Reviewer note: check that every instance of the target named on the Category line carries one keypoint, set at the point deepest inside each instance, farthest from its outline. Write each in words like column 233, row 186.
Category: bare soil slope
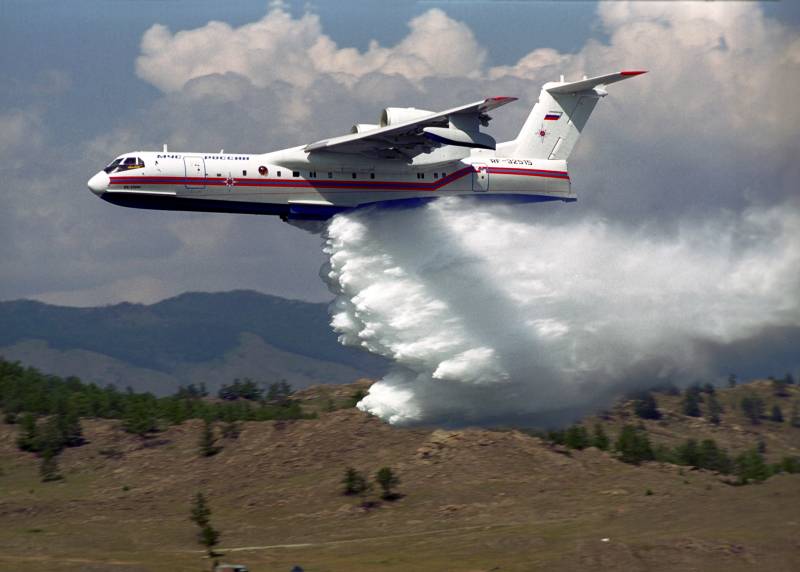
column 474, row 500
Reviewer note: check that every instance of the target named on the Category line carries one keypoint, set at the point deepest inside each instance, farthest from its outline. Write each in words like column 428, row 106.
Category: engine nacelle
column 363, row 127
column 395, row 115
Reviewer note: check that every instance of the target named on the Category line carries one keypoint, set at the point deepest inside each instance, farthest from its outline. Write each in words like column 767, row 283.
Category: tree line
column 633, row 446
column 48, row 409
column 27, row 390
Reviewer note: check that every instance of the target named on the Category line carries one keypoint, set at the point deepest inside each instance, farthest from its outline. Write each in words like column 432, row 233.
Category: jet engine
column 363, row 127
column 395, row 115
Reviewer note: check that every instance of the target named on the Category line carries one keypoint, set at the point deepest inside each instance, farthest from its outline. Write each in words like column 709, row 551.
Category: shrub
column 387, row 480
column 354, row 483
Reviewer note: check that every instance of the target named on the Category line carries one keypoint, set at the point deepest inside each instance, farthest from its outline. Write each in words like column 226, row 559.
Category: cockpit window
column 124, row 164
column 113, row 165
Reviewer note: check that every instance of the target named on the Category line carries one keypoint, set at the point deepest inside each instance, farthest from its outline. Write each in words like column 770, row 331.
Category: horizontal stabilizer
column 591, row 83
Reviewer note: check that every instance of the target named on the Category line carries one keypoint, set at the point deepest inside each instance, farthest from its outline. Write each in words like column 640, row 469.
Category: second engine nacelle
column 395, row 115
column 363, row 127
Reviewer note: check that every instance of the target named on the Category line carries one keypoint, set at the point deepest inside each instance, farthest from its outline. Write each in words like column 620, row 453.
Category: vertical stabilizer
column 558, row 118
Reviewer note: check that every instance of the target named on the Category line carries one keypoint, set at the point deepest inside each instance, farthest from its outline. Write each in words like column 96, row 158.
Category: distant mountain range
column 208, row 338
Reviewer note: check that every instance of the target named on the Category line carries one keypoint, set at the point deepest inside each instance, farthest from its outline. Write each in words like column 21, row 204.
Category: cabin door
column 480, row 177
column 195, row 173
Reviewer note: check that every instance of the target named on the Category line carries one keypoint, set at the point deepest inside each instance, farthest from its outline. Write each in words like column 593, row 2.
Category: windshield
column 124, row 164
column 113, row 165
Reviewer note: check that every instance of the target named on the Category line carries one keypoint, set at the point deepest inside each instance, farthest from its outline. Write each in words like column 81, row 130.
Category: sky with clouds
column 712, row 131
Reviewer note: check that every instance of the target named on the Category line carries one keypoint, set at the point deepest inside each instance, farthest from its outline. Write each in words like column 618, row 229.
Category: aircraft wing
column 407, row 139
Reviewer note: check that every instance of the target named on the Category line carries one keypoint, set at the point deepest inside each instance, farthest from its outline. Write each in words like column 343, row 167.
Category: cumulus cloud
column 491, row 311
column 278, row 48
column 708, row 133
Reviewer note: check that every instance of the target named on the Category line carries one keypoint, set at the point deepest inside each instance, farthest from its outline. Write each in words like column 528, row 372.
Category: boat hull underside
column 293, row 211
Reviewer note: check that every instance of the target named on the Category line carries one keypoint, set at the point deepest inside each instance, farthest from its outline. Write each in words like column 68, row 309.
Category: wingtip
column 632, row 72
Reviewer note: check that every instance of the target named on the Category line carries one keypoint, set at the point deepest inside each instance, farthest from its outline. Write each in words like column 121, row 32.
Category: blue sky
column 74, row 99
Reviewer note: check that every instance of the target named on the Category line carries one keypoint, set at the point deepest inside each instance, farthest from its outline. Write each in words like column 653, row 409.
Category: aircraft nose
column 99, row 183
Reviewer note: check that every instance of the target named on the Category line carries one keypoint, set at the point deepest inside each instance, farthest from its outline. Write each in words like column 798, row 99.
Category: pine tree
column 732, row 381
column 750, row 466
column 714, row 458
column 28, row 438
column 138, row 417
column 48, row 469
column 646, row 407
column 777, row 414
column 71, row 431
column 208, row 447
column 753, row 408
column 691, row 402
column 600, row 439
column 576, row 437
column 387, row 481
column 354, row 482
column 633, row 446
column 201, row 516
column 794, row 419
column 714, row 412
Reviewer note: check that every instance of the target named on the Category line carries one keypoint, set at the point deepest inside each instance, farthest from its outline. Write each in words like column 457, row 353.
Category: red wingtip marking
column 502, row 98
column 633, row 72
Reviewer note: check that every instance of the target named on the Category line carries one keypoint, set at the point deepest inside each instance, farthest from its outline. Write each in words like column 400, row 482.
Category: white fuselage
column 296, row 184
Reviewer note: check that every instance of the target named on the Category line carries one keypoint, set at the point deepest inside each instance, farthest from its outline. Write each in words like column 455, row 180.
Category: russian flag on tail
column 552, row 116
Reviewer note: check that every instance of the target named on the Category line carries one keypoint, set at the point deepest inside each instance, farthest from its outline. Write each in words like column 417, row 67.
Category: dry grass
column 475, row 500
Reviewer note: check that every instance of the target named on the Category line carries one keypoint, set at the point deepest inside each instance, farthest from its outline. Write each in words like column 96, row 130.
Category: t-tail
column 557, row 120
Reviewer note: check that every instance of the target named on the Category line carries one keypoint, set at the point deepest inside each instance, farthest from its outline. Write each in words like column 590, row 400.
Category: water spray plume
column 489, row 312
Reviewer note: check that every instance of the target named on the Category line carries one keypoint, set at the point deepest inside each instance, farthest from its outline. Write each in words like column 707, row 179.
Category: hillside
column 196, row 338
column 474, row 499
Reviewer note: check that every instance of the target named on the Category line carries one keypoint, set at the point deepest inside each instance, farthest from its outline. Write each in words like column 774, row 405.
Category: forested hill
column 192, row 338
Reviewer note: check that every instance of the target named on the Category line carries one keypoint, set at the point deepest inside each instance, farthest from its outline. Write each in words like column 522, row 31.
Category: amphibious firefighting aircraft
column 411, row 155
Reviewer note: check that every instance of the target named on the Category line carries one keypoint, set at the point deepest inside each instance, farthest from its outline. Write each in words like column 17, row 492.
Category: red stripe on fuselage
column 355, row 184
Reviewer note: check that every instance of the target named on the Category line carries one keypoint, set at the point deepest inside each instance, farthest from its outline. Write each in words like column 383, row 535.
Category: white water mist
column 489, row 310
